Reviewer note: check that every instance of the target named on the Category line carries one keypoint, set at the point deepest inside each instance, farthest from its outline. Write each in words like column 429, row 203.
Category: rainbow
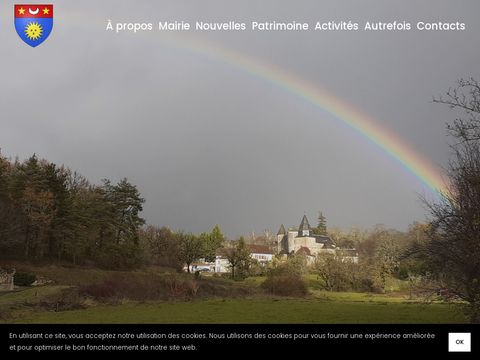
column 362, row 124
column 383, row 138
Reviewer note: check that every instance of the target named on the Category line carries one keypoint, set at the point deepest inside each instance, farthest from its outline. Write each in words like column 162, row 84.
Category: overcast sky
column 208, row 143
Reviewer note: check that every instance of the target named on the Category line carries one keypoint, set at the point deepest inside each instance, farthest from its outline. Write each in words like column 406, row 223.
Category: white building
column 261, row 253
column 221, row 263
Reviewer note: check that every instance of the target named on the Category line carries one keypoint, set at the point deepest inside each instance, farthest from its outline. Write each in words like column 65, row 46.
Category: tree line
column 168, row 248
column 49, row 213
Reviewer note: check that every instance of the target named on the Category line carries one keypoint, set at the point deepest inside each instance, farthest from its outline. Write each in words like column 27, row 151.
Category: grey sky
column 208, row 143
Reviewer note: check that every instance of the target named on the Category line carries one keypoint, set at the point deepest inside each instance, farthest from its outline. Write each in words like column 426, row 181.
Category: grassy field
column 319, row 307
column 255, row 311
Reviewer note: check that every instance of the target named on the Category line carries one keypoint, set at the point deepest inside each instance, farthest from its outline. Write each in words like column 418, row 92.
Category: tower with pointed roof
column 282, row 244
column 304, row 229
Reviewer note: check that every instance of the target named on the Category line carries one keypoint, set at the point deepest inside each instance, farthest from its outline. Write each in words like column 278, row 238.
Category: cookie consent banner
column 22, row 339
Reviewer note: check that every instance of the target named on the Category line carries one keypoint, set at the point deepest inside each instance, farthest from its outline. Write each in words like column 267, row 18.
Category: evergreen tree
column 119, row 221
column 211, row 242
column 321, row 228
column 10, row 217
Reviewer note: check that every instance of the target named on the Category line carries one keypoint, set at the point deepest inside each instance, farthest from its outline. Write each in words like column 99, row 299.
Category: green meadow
column 261, row 311
column 318, row 307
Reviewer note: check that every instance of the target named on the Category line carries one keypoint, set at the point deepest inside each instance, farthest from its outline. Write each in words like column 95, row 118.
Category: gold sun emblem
column 33, row 31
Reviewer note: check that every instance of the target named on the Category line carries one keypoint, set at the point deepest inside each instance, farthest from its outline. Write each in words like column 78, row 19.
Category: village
column 300, row 241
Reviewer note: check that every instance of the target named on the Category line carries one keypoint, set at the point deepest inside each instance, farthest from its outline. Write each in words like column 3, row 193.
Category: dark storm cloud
column 208, row 143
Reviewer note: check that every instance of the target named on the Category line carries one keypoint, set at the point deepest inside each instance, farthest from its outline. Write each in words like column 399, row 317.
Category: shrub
column 285, row 285
column 295, row 264
column 152, row 287
column 335, row 274
column 257, row 268
column 411, row 267
column 366, row 284
column 339, row 275
column 24, row 279
column 67, row 299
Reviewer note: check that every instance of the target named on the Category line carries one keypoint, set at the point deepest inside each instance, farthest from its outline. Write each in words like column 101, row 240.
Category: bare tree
column 453, row 247
column 191, row 248
column 238, row 257
column 465, row 96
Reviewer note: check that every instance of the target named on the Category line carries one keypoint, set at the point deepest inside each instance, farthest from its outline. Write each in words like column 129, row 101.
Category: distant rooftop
column 260, row 249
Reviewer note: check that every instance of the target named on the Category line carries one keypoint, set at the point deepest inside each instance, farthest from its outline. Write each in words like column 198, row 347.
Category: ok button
column 459, row 342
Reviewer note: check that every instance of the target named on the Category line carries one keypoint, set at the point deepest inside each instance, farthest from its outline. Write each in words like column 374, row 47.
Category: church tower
column 304, row 229
column 281, row 240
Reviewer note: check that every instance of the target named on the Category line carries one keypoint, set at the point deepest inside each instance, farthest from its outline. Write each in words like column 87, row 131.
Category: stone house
column 303, row 241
